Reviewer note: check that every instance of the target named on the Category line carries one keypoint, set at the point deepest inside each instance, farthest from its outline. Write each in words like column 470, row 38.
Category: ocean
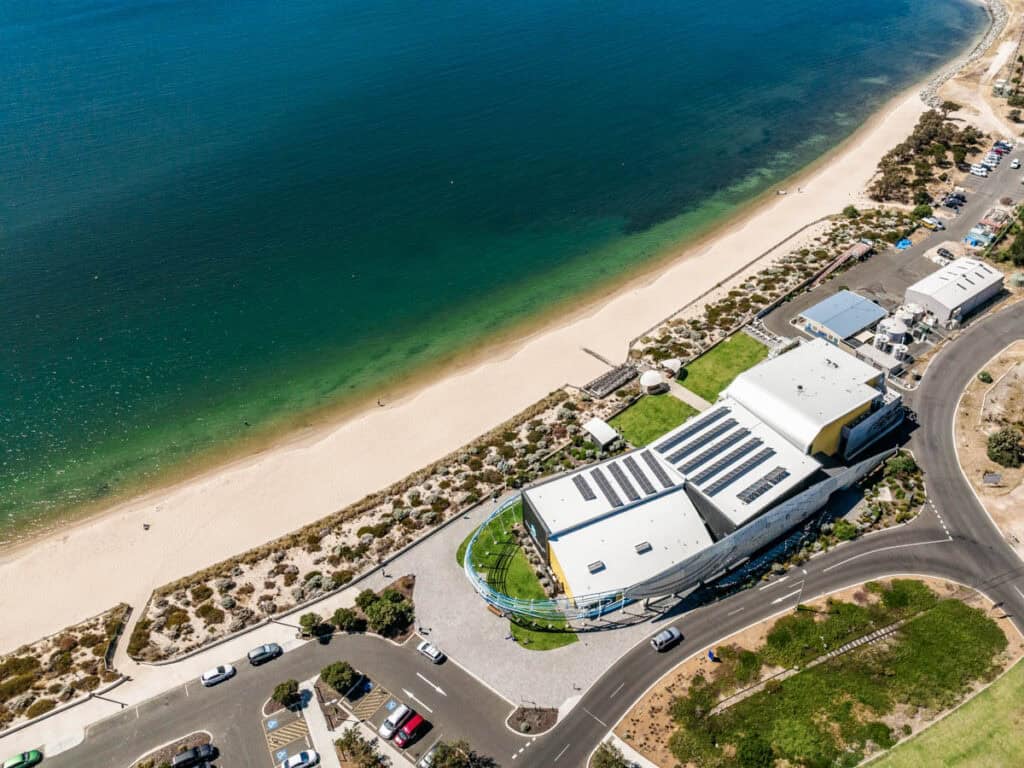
column 219, row 218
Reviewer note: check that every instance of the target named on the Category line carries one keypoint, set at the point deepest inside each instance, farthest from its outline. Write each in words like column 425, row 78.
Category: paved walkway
column 688, row 397
column 319, row 732
column 629, row 753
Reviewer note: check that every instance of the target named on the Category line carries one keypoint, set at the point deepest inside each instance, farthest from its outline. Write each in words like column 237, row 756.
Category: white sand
column 87, row 568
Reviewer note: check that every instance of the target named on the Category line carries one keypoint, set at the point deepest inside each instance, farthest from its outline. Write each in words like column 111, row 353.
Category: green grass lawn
column 651, row 417
column 984, row 733
column 709, row 374
column 497, row 555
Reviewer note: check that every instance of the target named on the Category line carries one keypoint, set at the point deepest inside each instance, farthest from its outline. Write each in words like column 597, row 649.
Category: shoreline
column 297, row 477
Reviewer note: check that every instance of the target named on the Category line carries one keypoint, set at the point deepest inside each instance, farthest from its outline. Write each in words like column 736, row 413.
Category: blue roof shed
column 841, row 316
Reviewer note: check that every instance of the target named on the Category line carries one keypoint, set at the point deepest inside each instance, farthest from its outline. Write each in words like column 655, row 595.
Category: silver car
column 666, row 639
column 217, row 675
column 264, row 653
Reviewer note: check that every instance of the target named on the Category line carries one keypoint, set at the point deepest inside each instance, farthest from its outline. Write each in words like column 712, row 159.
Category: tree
column 754, row 752
column 1005, row 447
column 985, row 377
column 458, row 754
column 388, row 617
column 347, row 620
column 340, row 676
column 948, row 106
column 366, row 598
column 311, row 623
column 287, row 693
column 921, row 211
column 851, row 212
column 354, row 747
column 900, row 465
column 608, row 756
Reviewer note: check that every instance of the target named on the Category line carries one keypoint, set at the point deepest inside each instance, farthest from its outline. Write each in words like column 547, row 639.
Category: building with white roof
column 771, row 442
column 956, row 290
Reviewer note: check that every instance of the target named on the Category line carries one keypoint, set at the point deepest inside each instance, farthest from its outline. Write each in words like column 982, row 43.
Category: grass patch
column 828, row 714
column 651, row 417
column 498, row 556
column 984, row 733
column 710, row 373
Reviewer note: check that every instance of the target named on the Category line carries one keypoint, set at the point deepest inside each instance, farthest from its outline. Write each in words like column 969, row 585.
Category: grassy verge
column 498, row 556
column 709, row 374
column 651, row 417
column 984, row 733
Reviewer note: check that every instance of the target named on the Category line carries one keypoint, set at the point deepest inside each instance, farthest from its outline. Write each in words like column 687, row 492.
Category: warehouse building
column 840, row 316
column 952, row 293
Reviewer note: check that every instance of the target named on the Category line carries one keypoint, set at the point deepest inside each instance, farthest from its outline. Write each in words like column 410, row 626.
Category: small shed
column 652, row 382
column 601, row 432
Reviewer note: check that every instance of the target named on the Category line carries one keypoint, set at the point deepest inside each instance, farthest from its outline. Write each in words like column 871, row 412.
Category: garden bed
column 164, row 755
column 533, row 720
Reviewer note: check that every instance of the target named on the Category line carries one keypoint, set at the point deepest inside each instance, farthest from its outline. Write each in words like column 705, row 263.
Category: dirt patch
column 164, row 754
column 533, row 720
column 647, row 726
column 983, row 408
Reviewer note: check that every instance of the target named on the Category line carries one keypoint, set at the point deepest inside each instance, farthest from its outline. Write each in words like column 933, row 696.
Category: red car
column 411, row 731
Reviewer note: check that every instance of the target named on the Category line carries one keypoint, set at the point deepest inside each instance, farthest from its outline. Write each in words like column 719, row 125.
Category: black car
column 945, row 254
column 195, row 757
column 264, row 653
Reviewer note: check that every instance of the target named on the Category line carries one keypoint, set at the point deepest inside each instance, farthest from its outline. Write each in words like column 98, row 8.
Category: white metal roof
column 803, row 390
column 957, row 282
column 603, row 432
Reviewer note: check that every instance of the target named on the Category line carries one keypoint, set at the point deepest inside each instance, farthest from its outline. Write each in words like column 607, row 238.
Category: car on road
column 412, row 730
column 217, row 675
column 394, row 721
column 24, row 760
column 264, row 653
column 666, row 639
column 1016, row 163
column 302, row 760
column 197, row 756
column 431, row 651
column 946, row 253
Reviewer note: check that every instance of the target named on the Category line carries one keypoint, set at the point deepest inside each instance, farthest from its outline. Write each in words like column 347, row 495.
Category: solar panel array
column 725, row 461
column 731, row 439
column 623, row 481
column 703, row 440
column 657, row 469
column 606, row 487
column 638, row 475
column 737, row 472
column 690, row 431
column 584, row 488
column 763, row 485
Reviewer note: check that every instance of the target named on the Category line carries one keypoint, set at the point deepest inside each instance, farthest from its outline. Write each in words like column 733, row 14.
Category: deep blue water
column 216, row 215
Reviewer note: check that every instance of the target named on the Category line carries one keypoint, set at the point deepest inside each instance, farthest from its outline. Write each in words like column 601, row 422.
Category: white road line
column 623, row 683
column 730, row 613
column 1019, row 592
column 785, row 597
column 602, row 722
column 884, row 549
column 186, row 689
column 432, row 684
column 561, row 753
column 136, row 713
column 774, row 583
column 419, row 701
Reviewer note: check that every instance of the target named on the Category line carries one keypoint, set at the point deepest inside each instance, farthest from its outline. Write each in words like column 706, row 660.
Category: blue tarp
column 903, row 244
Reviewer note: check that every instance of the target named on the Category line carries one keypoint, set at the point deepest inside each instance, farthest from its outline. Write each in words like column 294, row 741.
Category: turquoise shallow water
column 219, row 215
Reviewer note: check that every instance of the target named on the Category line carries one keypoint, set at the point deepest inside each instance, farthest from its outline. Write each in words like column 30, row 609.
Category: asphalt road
column 231, row 710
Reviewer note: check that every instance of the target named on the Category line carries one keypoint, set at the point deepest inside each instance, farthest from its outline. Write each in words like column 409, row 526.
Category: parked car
column 411, row 731
column 217, row 675
column 431, row 651
column 394, row 721
column 428, row 759
column 932, row 223
column 196, row 756
column 24, row 760
column 1016, row 163
column 946, row 254
column 980, row 172
column 1000, row 150
column 302, row 760
column 264, row 653
column 666, row 639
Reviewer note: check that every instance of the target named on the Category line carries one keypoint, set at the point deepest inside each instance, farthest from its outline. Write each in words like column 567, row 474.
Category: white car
column 431, row 651
column 428, row 759
column 1015, row 163
column 301, row 760
column 217, row 675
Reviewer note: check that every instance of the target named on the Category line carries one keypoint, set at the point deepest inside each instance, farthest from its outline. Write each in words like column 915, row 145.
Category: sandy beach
column 88, row 567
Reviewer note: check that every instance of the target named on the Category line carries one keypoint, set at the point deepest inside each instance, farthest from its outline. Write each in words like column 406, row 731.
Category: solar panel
column 606, row 487
column 623, row 482
column 657, row 469
column 763, row 485
column 731, row 439
column 638, row 475
column 584, row 488
column 725, row 461
column 703, row 440
column 693, row 429
column 737, row 472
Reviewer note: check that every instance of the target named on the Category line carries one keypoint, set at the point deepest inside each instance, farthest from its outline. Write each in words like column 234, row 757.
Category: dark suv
column 196, row 756
column 264, row 653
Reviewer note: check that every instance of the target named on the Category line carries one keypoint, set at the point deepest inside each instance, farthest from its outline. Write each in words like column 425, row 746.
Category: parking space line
column 617, row 690
column 566, row 747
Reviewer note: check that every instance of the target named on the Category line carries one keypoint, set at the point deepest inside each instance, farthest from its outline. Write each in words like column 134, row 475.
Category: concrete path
column 688, row 397
column 319, row 731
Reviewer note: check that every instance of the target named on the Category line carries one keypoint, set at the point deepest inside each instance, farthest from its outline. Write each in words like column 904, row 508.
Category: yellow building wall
column 557, row 569
column 827, row 441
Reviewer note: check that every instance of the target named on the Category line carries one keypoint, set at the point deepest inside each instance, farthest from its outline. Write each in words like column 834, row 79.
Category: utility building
column 955, row 291
column 841, row 316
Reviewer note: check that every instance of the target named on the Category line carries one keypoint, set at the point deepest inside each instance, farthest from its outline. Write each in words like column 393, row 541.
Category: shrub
column 18, row 665
column 985, row 377
column 389, row 617
column 845, row 530
column 901, row 465
column 340, row 676
column 210, row 614
column 341, row 578
column 347, row 620
column 14, row 686
column 287, row 693
column 1005, row 447
column 366, row 598
column 88, row 683
column 608, row 756
column 176, row 617
column 851, row 212
column 40, row 707
column 754, row 752
column 140, row 638
column 311, row 623
column 200, row 593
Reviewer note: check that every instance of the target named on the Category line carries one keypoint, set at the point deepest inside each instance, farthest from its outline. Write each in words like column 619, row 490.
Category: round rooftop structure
column 672, row 365
column 652, row 382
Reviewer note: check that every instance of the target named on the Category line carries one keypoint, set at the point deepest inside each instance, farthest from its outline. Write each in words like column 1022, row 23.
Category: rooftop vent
column 643, row 546
column 596, row 567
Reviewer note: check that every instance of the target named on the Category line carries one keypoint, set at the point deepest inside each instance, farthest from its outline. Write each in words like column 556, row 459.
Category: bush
column 210, row 614
column 389, row 617
column 608, row 756
column 845, row 530
column 755, row 752
column 18, row 665
column 347, row 620
column 901, row 465
column 287, row 693
column 341, row 578
column 200, row 593
column 985, row 377
column 1005, row 447
column 40, row 707
column 366, row 598
column 920, row 211
column 140, row 638
column 311, row 623
column 340, row 676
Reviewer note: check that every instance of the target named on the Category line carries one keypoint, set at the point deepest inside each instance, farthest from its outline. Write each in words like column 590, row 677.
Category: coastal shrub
column 920, row 211
column 139, row 640
column 340, row 676
column 379, row 530
column 341, row 578
column 365, row 599
column 177, row 616
column 200, row 593
column 389, row 617
column 900, row 466
column 608, row 756
column 287, row 693
column 851, row 212
column 1006, row 447
column 210, row 614
column 347, row 620
column 18, row 665
column 40, row 707
column 845, row 530
column 312, row 575
column 311, row 623
column 87, row 683
column 985, row 377
column 60, row 662
column 14, row 686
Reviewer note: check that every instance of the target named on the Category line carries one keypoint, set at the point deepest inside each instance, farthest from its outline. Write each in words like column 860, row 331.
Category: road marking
column 136, row 713
column 602, row 722
column 622, row 684
column 773, row 584
column 561, row 753
column 433, row 685
column 186, row 689
column 884, row 549
column 1019, row 592
column 419, row 701
column 785, row 597
column 730, row 613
